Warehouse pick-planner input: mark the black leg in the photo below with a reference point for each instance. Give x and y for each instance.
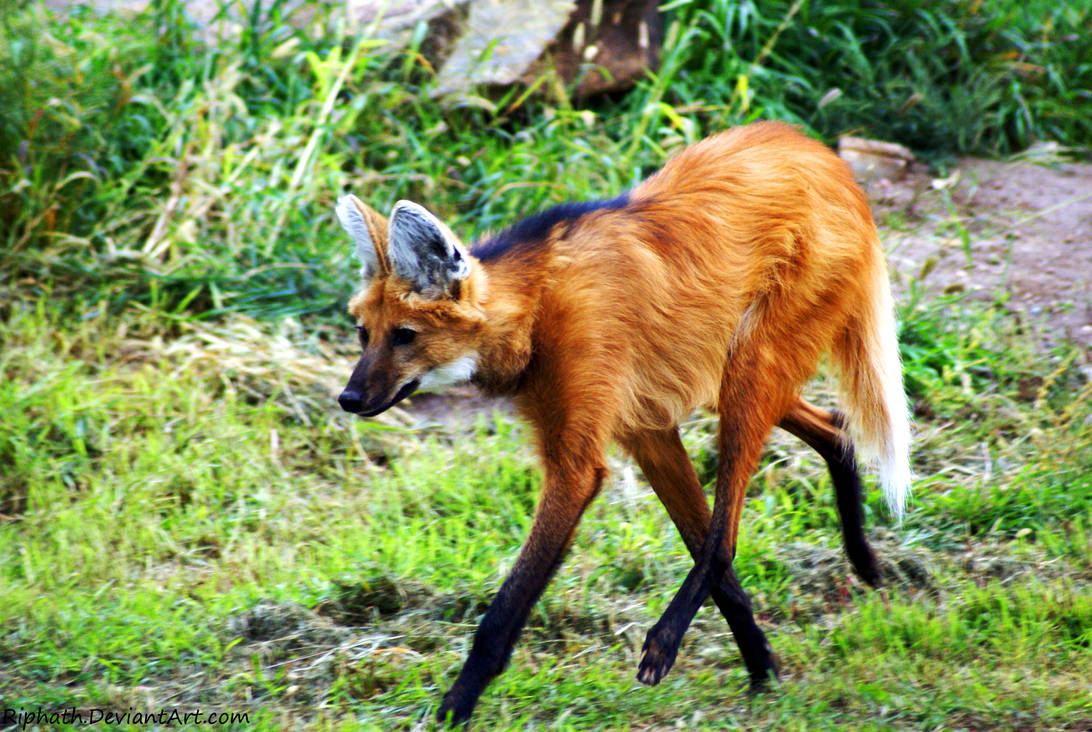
(744, 424)
(665, 463)
(823, 431)
(735, 606)
(849, 497)
(563, 502)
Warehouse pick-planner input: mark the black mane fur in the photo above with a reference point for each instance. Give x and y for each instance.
(532, 230)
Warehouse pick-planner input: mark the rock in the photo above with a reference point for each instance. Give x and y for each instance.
(500, 43)
(609, 45)
(602, 45)
(396, 20)
(598, 45)
(873, 161)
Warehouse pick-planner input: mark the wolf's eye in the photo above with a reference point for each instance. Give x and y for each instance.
(402, 336)
(363, 333)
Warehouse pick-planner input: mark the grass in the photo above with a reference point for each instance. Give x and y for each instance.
(222, 537)
(940, 77)
(187, 521)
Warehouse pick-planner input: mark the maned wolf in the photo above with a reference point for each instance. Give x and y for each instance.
(719, 282)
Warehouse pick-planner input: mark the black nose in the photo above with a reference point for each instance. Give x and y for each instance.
(350, 401)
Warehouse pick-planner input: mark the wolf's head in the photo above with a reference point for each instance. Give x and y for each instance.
(417, 316)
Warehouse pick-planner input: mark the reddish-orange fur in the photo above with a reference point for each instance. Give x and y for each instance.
(623, 285)
(720, 284)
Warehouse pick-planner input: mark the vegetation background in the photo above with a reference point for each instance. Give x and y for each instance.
(187, 521)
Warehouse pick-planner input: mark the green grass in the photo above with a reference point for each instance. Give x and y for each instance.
(940, 77)
(126, 147)
(222, 537)
(187, 521)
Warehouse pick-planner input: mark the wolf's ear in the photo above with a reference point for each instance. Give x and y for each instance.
(424, 252)
(369, 231)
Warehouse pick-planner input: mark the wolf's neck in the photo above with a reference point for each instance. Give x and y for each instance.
(510, 294)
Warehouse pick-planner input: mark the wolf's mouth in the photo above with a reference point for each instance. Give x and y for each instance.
(404, 392)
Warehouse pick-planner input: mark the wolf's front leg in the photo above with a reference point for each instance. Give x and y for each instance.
(567, 492)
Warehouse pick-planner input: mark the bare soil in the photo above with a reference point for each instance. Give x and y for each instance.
(1014, 232)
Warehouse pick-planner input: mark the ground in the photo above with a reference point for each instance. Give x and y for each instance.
(1017, 232)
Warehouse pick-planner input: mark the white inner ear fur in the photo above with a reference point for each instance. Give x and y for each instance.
(352, 220)
(449, 374)
(422, 249)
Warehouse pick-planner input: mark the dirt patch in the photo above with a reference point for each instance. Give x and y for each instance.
(823, 582)
(301, 656)
(1017, 233)
(275, 631)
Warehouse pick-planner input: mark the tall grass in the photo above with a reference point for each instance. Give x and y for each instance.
(940, 77)
(139, 162)
(175, 181)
